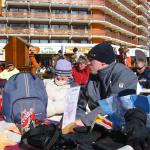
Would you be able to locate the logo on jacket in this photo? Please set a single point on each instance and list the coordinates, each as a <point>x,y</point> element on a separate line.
<point>121,85</point>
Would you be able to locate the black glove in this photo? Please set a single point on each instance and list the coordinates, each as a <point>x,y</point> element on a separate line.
<point>135,129</point>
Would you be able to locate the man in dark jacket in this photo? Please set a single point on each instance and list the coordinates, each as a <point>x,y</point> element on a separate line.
<point>143,73</point>
<point>108,78</point>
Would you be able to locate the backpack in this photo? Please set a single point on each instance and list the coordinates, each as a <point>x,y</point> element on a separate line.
<point>21,90</point>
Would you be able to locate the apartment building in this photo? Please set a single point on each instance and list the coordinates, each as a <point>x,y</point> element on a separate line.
<point>122,22</point>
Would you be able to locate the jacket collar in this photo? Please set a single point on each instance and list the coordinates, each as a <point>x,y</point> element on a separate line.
<point>106,71</point>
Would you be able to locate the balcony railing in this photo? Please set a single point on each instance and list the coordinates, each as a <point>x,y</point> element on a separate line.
<point>118,11</point>
<point>119,37</point>
<point>17,14</point>
<point>141,42</point>
<point>44,31</point>
<point>136,1</point>
<point>145,6</point>
<point>128,6</point>
<point>119,24</point>
<point>142,33</point>
<point>17,31</point>
<point>46,15</point>
<point>143,24</point>
<point>72,2</point>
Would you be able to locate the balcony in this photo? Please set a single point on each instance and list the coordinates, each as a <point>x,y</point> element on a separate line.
<point>119,24</point>
<point>38,15</point>
<point>141,42</point>
<point>145,6</point>
<point>134,3</point>
<point>142,33</point>
<point>128,6</point>
<point>143,24</point>
<point>3,31</point>
<point>16,14</point>
<point>119,37</point>
<point>45,15</point>
<point>44,31</point>
<point>118,11</point>
<point>72,2</point>
<point>17,31</point>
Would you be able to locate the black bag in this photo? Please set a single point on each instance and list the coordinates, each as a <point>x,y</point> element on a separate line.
<point>46,137</point>
<point>41,137</point>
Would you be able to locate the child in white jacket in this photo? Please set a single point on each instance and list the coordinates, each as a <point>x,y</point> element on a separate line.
<point>57,88</point>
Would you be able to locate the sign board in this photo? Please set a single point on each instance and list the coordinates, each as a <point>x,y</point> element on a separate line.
<point>70,106</point>
<point>49,49</point>
<point>85,50</point>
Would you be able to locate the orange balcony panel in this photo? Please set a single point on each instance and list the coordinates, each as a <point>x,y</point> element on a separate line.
<point>59,31</point>
<point>80,32</point>
<point>81,2</point>
<point>41,1</point>
<point>17,31</point>
<point>61,2</point>
<point>60,16</point>
<point>18,0</point>
<point>111,34</point>
<point>98,32</point>
<point>3,30</point>
<point>140,42</point>
<point>99,17</point>
<point>17,14</point>
<point>81,17</point>
<point>136,1</point>
<point>97,2</point>
<point>38,15</point>
<point>39,31</point>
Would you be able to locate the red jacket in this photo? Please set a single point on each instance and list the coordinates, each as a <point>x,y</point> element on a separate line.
<point>81,77</point>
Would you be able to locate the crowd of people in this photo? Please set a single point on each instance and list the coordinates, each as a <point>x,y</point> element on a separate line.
<point>99,76</point>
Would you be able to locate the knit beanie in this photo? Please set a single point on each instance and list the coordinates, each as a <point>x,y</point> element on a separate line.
<point>63,68</point>
<point>102,52</point>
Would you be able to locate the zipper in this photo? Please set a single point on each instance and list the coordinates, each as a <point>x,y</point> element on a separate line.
<point>26,85</point>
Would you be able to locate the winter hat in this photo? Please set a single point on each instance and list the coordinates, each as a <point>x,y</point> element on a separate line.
<point>102,52</point>
<point>63,68</point>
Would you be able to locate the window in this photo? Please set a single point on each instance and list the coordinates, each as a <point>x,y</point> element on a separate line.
<point>79,26</point>
<point>59,26</point>
<point>39,26</point>
<point>22,9</point>
<point>81,12</point>
<point>79,41</point>
<point>54,41</point>
<point>39,10</point>
<point>84,41</point>
<point>59,11</point>
<point>44,41</point>
<point>3,40</point>
<point>2,25</point>
<point>18,25</point>
<point>13,9</point>
<point>35,41</point>
<point>59,41</point>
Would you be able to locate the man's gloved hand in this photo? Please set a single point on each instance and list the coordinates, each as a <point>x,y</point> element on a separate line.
<point>135,129</point>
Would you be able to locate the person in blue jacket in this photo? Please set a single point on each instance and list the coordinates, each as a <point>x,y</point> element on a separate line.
<point>143,73</point>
